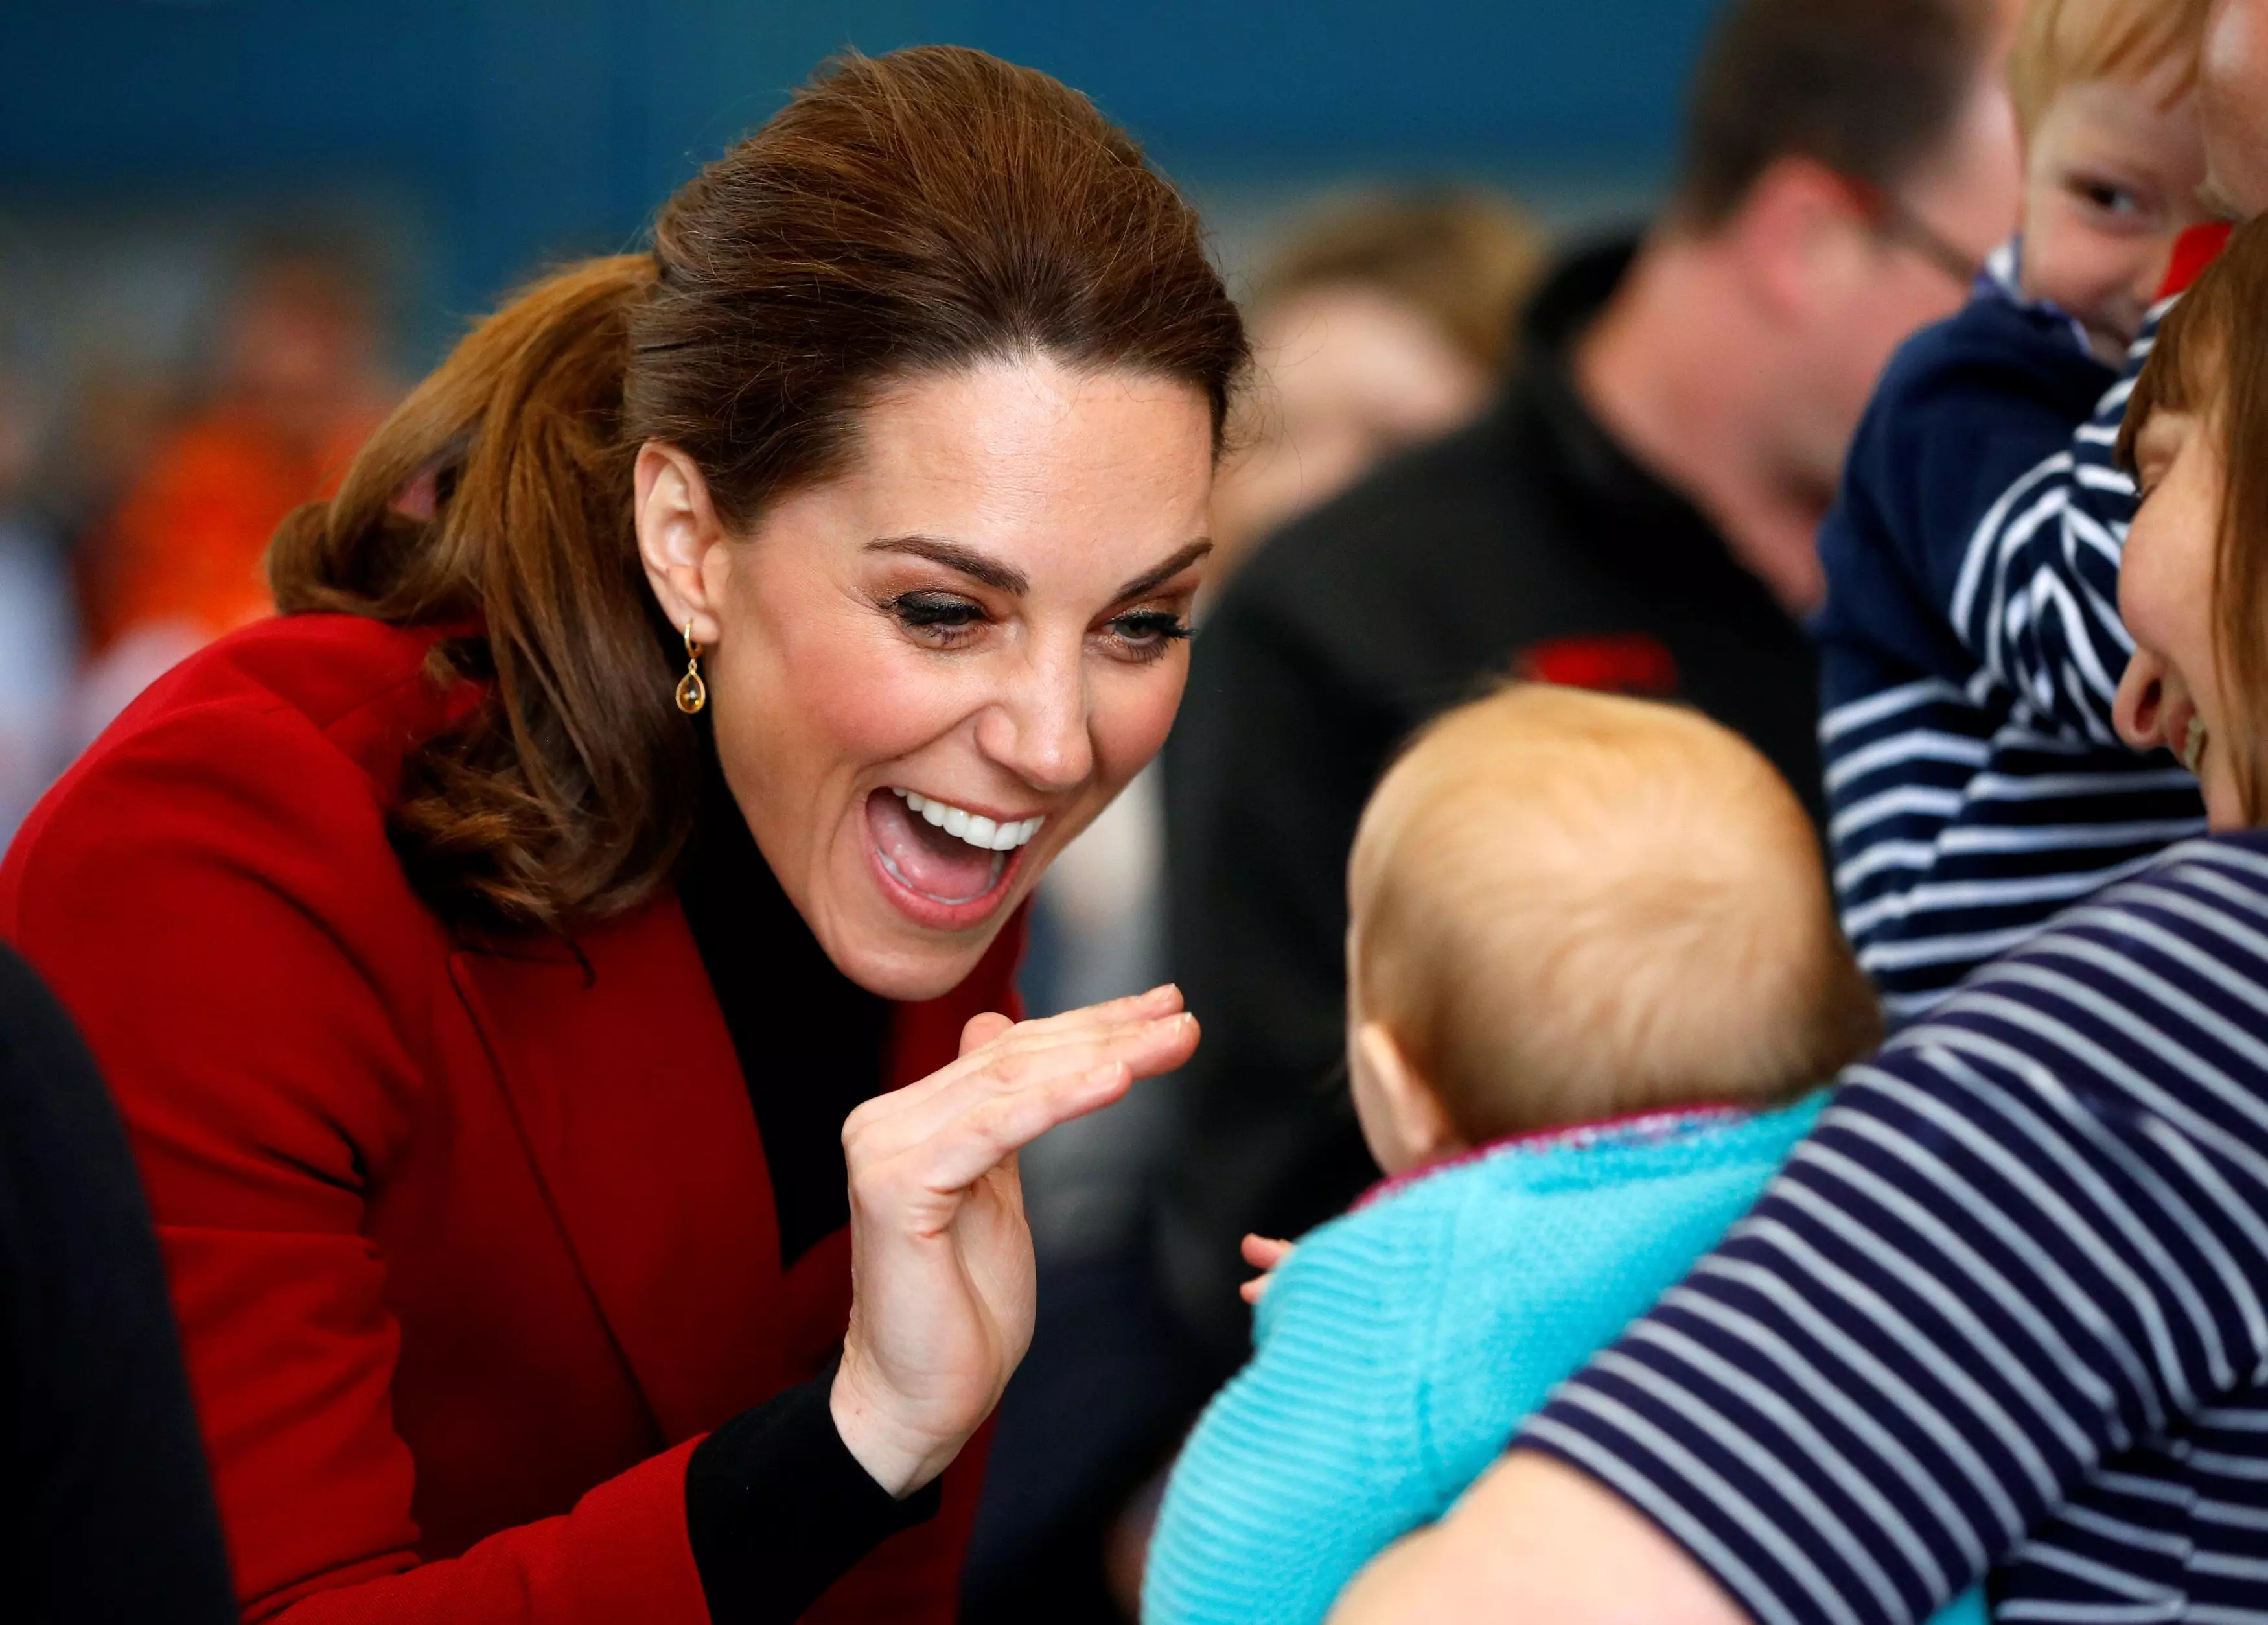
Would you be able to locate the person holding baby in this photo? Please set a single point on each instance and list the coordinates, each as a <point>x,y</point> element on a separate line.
<point>2003,1312</point>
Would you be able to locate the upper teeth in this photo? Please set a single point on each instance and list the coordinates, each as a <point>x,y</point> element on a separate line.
<point>975,828</point>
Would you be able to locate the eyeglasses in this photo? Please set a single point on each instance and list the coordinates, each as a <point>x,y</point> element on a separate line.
<point>1896,220</point>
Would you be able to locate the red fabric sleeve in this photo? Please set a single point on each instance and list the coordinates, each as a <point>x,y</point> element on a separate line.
<point>214,900</point>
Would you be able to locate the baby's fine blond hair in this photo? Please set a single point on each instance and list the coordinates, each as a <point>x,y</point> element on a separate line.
<point>1568,906</point>
<point>2066,42</point>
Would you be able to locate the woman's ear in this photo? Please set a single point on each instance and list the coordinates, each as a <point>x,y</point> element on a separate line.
<point>1414,1111</point>
<point>679,537</point>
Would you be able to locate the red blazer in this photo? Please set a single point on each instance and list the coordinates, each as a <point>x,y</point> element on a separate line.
<point>469,1248</point>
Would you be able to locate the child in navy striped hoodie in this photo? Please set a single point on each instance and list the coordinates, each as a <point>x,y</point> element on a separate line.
<point>1970,641</point>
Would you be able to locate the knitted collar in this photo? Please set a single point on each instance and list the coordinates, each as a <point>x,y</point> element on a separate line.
<point>1628,1128</point>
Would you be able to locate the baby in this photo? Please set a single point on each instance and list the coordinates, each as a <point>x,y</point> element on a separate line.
<point>1969,645</point>
<point>1593,974</point>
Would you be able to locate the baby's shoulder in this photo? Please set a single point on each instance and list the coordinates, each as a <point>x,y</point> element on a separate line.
<point>1364,1272</point>
<point>1569,1216</point>
<point>1598,1222</point>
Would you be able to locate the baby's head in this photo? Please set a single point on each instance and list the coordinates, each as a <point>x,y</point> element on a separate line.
<point>2106,97</point>
<point>1566,906</point>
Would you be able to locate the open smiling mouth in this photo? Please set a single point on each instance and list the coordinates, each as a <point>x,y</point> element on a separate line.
<point>942,854</point>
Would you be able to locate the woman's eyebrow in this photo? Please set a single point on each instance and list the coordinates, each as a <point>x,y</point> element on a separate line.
<point>975,566</point>
<point>1151,580</point>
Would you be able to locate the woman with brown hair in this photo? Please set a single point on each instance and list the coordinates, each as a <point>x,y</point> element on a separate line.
<point>671,711</point>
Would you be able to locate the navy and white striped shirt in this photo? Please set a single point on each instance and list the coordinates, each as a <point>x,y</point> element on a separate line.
<point>2008,1304</point>
<point>1970,648</point>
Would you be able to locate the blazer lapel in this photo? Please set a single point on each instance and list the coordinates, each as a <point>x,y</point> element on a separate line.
<point>621,1076</point>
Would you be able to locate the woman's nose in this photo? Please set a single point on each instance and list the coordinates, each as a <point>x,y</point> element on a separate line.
<point>1039,730</point>
<point>2140,711</point>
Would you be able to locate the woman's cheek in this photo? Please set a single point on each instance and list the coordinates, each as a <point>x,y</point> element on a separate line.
<point>1132,718</point>
<point>876,699</point>
<point>2150,584</point>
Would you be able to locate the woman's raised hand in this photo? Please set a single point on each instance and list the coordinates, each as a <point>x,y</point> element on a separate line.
<point>941,1258</point>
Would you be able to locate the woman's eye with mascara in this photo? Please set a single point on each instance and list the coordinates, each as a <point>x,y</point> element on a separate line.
<point>1145,634</point>
<point>938,618</point>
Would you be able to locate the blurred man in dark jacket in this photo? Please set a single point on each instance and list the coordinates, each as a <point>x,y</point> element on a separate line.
<point>1637,513</point>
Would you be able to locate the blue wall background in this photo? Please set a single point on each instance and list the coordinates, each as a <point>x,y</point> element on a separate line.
<point>501,133</point>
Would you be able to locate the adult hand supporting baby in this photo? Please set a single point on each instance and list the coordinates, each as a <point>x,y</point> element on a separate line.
<point>942,1292</point>
<point>1535,1540</point>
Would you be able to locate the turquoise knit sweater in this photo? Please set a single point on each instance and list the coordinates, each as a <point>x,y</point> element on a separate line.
<point>1400,1345</point>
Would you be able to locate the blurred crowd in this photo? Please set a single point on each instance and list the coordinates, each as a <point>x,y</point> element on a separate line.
<point>137,504</point>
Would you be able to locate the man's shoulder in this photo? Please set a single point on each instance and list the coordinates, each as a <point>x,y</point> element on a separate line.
<point>1434,509</point>
<point>1439,564</point>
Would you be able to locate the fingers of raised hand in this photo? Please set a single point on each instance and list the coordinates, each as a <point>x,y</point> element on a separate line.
<point>919,1184</point>
<point>1163,999</point>
<point>1053,1065</point>
<point>1025,1084</point>
<point>995,1129</point>
<point>1150,1031</point>
<point>982,1036</point>
<point>979,1030</point>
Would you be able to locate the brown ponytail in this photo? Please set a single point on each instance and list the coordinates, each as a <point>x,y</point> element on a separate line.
<point>910,213</point>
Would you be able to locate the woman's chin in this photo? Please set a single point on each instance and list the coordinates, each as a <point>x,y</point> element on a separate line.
<point>891,958</point>
<point>2224,808</point>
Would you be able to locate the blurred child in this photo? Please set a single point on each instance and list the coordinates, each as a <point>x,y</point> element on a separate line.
<point>1386,319</point>
<point>1970,638</point>
<point>1591,963</point>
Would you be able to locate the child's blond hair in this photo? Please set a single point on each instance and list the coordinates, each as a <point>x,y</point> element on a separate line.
<point>1568,906</point>
<point>2066,42</point>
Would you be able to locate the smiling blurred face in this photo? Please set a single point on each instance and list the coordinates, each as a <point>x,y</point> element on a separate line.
<point>1877,287</point>
<point>927,674</point>
<point>1353,374</point>
<point>2172,696</point>
<point>2111,179</point>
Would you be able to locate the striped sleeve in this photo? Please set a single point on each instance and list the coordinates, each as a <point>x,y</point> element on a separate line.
<point>2037,598</point>
<point>2026,1237</point>
<point>1959,825</point>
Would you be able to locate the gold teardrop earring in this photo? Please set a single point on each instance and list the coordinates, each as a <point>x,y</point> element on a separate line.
<point>692,693</point>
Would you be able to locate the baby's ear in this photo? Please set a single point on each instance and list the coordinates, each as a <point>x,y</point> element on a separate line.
<point>1420,1122</point>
